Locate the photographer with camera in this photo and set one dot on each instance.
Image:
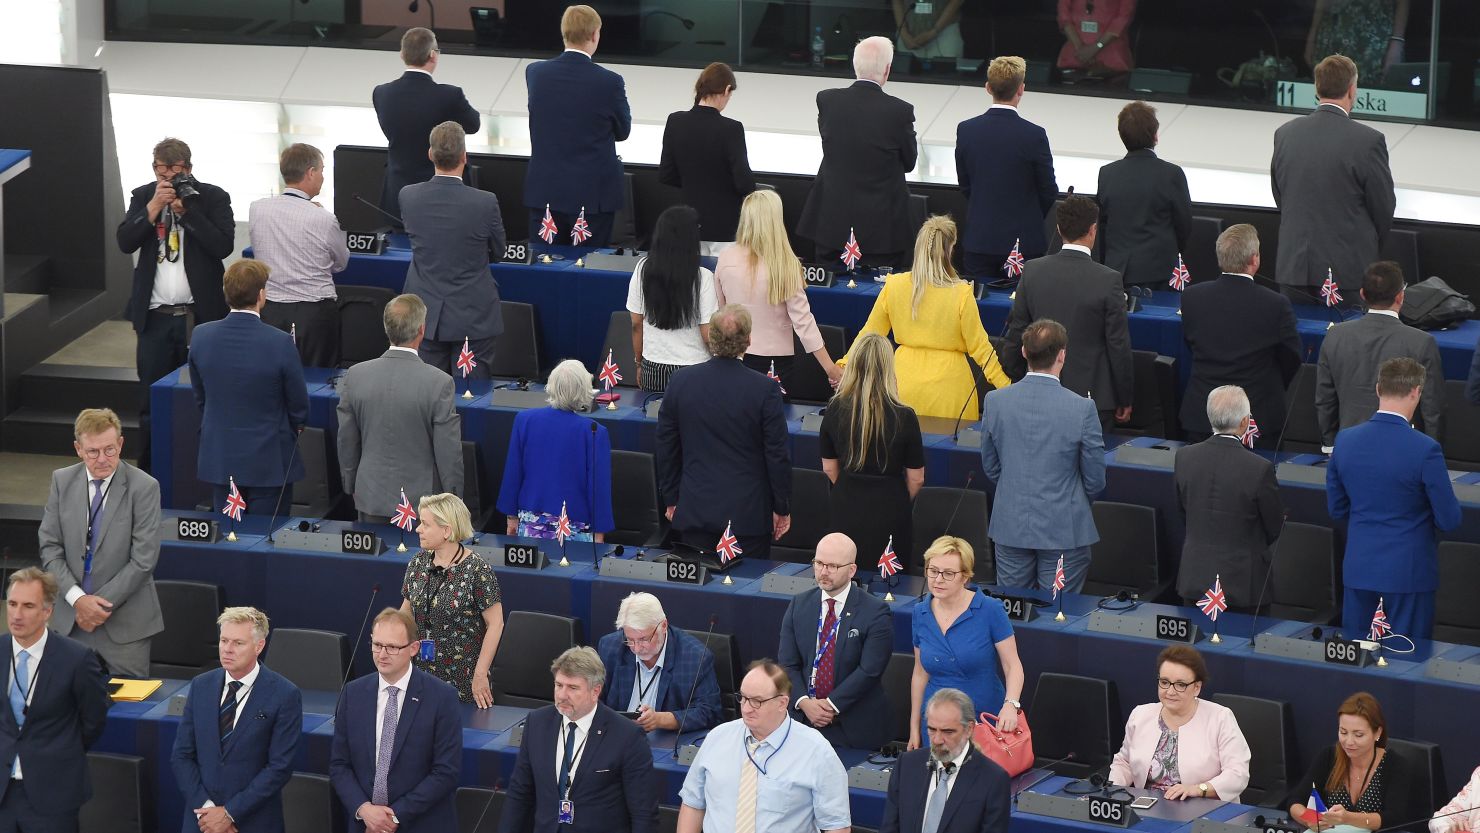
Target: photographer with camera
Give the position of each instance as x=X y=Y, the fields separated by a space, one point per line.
x=182 y=229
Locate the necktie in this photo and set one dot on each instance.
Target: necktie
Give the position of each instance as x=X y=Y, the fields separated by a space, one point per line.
x=227 y=716
x=824 y=682
x=568 y=758
x=95 y=522
x=745 y=805
x=17 y=697
x=937 y=805
x=378 y=792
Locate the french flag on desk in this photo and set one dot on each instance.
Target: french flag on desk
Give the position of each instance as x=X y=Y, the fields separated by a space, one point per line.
x=1314 y=807
x=547 y=226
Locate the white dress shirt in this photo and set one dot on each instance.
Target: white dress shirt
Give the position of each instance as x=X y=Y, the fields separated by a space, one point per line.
x=950 y=779
x=996 y=106
x=27 y=686
x=583 y=728
x=841 y=597
x=1075 y=247
x=170 y=284
x=646 y=680
x=247 y=680
x=407 y=349
x=380 y=698
x=75 y=591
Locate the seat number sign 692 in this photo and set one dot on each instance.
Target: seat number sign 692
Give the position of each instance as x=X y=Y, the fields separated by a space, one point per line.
x=1108 y=811
x=684 y=572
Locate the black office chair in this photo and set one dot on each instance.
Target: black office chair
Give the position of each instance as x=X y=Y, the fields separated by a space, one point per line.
x=1074 y=714
x=1125 y=557
x=1461 y=441
x=896 y=683
x=919 y=212
x=517 y=352
x=1401 y=245
x=808 y=380
x=934 y=507
x=624 y=224
x=117 y=803
x=722 y=645
x=1154 y=403
x=1269 y=727
x=667 y=819
x=1201 y=258
x=1428 y=789
x=478 y=809
x=187 y=645
x=310 y=659
x=521 y=668
x=309 y=805
x=619 y=344
x=1303 y=584
x=809 y=517
x=361 y=323
x=1302 y=432
x=1456 y=616
x=1050 y=232
x=319 y=493
x=635 y=508
x=480 y=508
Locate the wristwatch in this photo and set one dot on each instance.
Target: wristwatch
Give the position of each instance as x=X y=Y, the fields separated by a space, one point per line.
x=1099 y=44
x=1203 y=788
x=1017 y=704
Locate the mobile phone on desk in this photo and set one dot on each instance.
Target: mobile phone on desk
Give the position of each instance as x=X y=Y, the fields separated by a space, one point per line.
x=1144 y=802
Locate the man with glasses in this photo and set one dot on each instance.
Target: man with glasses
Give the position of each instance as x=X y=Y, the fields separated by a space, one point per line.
x=765 y=773
x=949 y=787
x=659 y=674
x=182 y=239
x=397 y=753
x=99 y=538
x=835 y=644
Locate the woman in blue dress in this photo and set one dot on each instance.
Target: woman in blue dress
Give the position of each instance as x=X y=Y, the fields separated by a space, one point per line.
x=961 y=639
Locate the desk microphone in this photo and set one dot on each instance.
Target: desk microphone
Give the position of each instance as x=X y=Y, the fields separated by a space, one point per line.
x=399 y=224
x=959 y=500
x=478 y=825
x=694 y=686
x=1035 y=782
x=287 y=473
x=1268 y=574
x=591 y=499
x=1391 y=827
x=975 y=394
x=1290 y=406
x=374 y=591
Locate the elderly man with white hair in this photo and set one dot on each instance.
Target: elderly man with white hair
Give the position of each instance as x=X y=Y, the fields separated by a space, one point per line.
x=868 y=145
x=657 y=673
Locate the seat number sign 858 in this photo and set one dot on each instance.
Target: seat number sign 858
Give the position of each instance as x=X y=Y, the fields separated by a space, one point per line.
x=1108 y=811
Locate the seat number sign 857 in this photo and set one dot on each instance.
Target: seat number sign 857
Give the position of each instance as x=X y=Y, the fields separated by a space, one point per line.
x=1108 y=811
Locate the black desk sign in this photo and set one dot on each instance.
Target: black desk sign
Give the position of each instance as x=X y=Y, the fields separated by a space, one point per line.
x=818 y=275
x=195 y=529
x=364 y=242
x=528 y=556
x=1018 y=609
x=517 y=252
x=1345 y=652
x=355 y=542
x=679 y=571
x=1109 y=811
x=1175 y=629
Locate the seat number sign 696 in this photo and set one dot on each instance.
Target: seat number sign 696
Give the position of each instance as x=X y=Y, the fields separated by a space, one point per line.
x=1108 y=811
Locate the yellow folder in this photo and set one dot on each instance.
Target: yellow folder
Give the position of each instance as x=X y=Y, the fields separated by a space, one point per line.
x=132 y=691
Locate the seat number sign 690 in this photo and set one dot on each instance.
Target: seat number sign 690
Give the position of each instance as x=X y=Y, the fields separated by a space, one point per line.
x=1108 y=811
x=359 y=543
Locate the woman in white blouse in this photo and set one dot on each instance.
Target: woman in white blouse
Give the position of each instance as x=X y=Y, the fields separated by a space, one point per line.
x=1460 y=813
x=671 y=298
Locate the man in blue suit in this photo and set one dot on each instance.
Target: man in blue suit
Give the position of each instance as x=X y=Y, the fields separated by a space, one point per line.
x=582 y=768
x=1390 y=483
x=949 y=787
x=397 y=752
x=61 y=711
x=578 y=112
x=249 y=386
x=666 y=678
x=841 y=695
x=1041 y=446
x=239 y=735
x=1005 y=169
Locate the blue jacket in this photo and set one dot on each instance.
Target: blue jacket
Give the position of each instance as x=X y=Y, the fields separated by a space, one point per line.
x=578 y=112
x=249 y=386
x=1391 y=483
x=555 y=457
x=865 y=641
x=66 y=716
x=687 y=660
x=980 y=800
x=1005 y=169
x=248 y=774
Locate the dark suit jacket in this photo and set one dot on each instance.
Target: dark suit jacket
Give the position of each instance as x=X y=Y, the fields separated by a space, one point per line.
x=1332 y=183
x=704 y=154
x=426 y=760
x=66 y=717
x=1346 y=372
x=408 y=108
x=210 y=236
x=868 y=145
x=247 y=775
x=687 y=666
x=249 y=386
x=980 y=800
x=1391 y=485
x=861 y=654
x=1005 y=169
x=1230 y=504
x=1240 y=334
x=1472 y=387
x=1145 y=216
x=1088 y=300
x=722 y=449
x=577 y=113
x=613 y=788
x=455 y=231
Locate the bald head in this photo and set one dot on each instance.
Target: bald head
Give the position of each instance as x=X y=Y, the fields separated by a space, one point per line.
x=835 y=562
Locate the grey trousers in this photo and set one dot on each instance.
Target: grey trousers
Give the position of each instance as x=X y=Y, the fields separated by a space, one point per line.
x=120 y=659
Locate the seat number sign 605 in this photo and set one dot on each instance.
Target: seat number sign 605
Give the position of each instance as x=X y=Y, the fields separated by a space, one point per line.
x=1108 y=811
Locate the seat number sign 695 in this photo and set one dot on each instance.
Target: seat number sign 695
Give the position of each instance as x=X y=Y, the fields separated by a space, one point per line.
x=1108 y=811
x=1174 y=629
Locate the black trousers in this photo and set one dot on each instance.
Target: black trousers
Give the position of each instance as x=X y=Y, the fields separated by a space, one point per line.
x=832 y=257
x=751 y=546
x=600 y=226
x=315 y=325
x=785 y=368
x=21 y=812
x=163 y=345
x=443 y=356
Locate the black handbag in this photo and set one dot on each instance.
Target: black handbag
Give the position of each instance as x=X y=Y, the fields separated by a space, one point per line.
x=1432 y=304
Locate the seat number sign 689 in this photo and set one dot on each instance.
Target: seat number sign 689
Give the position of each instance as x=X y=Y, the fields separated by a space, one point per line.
x=194 y=529
x=1108 y=811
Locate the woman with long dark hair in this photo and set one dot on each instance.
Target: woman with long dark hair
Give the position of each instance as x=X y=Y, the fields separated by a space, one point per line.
x=671 y=298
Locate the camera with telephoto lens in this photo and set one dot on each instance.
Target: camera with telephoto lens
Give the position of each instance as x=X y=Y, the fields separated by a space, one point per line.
x=184 y=185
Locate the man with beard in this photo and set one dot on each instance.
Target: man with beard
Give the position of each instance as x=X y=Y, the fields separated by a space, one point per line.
x=950 y=780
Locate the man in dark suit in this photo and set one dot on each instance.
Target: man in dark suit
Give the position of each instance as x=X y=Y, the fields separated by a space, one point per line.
x=1352 y=351
x=61 y=711
x=723 y=460
x=1230 y=506
x=397 y=751
x=1334 y=189
x=455 y=231
x=840 y=692
x=181 y=241
x=408 y=108
x=582 y=768
x=1145 y=207
x=1069 y=287
x=578 y=112
x=949 y=787
x=868 y=146
x=1472 y=386
x=657 y=672
x=1005 y=168
x=249 y=386
x=1240 y=334
x=1390 y=483
x=238 y=738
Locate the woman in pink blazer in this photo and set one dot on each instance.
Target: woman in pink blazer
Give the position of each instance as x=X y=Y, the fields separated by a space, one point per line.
x=1185 y=746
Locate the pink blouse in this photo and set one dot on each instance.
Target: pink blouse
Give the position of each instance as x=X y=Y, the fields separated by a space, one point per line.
x=1210 y=749
x=772 y=324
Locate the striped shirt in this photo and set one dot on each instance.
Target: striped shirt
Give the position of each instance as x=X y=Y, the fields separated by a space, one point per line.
x=301 y=243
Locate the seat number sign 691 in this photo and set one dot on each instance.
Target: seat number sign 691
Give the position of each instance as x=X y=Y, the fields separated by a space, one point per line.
x=1108 y=811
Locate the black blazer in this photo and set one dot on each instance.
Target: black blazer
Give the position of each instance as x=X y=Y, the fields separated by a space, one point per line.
x=1399 y=801
x=1241 y=334
x=861 y=654
x=1230 y=504
x=1145 y=217
x=408 y=108
x=704 y=155
x=210 y=236
x=980 y=800
x=723 y=454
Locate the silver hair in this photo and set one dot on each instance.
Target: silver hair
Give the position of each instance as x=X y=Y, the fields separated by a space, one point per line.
x=642 y=611
x=958 y=698
x=872 y=57
x=1227 y=407
x=569 y=386
x=1236 y=246
x=403 y=317
x=245 y=616
x=583 y=662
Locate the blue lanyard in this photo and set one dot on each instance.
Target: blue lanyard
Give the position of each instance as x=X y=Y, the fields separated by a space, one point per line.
x=774 y=752
x=822 y=645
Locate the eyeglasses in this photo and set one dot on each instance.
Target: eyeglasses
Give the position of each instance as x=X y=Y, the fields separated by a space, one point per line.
x=948 y=575
x=94 y=453
x=1164 y=684
x=386 y=648
x=753 y=702
x=823 y=565
x=643 y=640
x=177 y=167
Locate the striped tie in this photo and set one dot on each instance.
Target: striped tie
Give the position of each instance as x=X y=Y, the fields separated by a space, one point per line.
x=745 y=805
x=228 y=709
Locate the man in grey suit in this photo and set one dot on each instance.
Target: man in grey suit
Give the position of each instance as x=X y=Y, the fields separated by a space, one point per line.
x=455 y=232
x=1230 y=506
x=398 y=422
x=1334 y=189
x=1070 y=286
x=1346 y=371
x=100 y=538
x=1041 y=446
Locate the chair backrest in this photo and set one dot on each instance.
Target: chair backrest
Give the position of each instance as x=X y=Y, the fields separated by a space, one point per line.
x=722 y=645
x=896 y=683
x=667 y=819
x=1070 y=713
x=117 y=803
x=309 y=805
x=809 y=513
x=1269 y=728
x=187 y=645
x=634 y=499
x=1125 y=557
x=1303 y=580
x=1401 y=245
x=472 y=481
x=1461 y=441
x=317 y=492
x=517 y=352
x=478 y=810
x=1050 y=231
x=1201 y=257
x=1456 y=616
x=1428 y=789
x=1302 y=432
x=808 y=379
x=521 y=668
x=934 y=509
x=361 y=322
x=919 y=211
x=619 y=344
x=624 y=224
x=1154 y=406
x=310 y=659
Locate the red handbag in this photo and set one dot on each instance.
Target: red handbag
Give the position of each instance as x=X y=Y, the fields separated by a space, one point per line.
x=1013 y=751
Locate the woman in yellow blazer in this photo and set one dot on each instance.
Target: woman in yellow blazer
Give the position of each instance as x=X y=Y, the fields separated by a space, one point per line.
x=936 y=324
